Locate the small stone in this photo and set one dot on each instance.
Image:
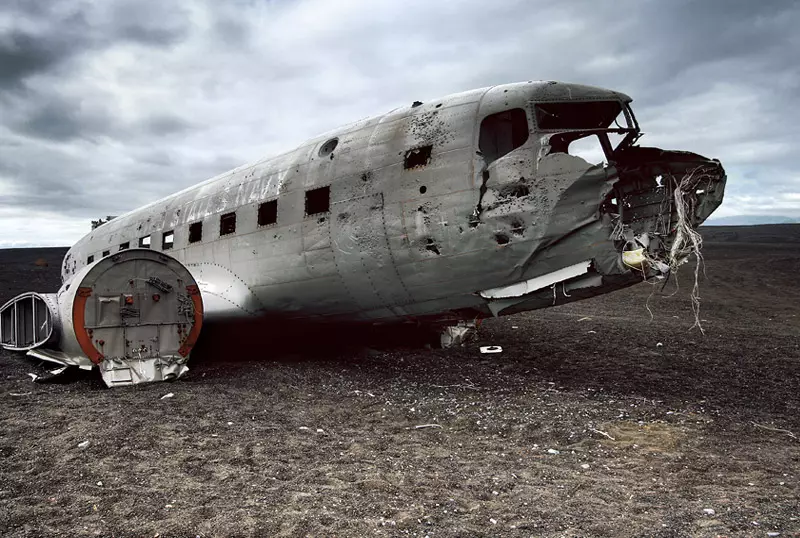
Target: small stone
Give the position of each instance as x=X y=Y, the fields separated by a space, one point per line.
x=303 y=428
x=773 y=534
x=709 y=511
x=167 y=395
x=99 y=483
x=83 y=444
x=320 y=430
x=585 y=466
x=553 y=451
x=659 y=344
x=493 y=521
x=230 y=423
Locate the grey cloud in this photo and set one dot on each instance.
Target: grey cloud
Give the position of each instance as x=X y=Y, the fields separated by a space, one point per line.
x=106 y=106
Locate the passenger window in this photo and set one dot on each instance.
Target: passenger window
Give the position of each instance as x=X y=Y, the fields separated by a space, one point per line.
x=195 y=232
x=144 y=242
x=318 y=201
x=125 y=245
x=502 y=133
x=90 y=259
x=268 y=213
x=227 y=224
x=167 y=240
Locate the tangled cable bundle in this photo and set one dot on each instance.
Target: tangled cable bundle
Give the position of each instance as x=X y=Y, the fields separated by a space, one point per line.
x=687 y=240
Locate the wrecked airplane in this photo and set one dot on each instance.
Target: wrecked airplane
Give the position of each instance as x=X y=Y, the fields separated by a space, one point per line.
x=478 y=204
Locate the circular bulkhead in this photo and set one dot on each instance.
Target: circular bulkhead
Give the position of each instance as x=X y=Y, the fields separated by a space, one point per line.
x=136 y=314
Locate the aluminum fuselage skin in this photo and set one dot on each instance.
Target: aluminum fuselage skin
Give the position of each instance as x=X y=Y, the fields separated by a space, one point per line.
x=397 y=243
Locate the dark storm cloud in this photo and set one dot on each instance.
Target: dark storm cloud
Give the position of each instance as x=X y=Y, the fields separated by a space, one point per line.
x=105 y=106
x=38 y=36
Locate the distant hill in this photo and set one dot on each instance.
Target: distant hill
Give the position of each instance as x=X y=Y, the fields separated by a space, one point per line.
x=750 y=220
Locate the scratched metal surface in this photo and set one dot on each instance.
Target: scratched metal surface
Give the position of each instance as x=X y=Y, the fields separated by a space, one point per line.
x=396 y=242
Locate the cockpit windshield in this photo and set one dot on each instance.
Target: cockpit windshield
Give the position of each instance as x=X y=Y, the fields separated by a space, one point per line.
x=593 y=130
x=583 y=115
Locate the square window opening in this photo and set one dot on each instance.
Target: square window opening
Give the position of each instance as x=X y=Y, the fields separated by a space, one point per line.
x=502 y=133
x=195 y=232
x=318 y=201
x=106 y=253
x=144 y=242
x=125 y=245
x=227 y=224
x=168 y=240
x=90 y=259
x=268 y=213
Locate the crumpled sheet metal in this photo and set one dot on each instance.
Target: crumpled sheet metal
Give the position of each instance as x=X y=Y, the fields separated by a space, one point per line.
x=564 y=211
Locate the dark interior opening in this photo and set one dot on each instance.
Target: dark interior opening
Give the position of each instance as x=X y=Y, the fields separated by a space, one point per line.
x=227 y=223
x=577 y=115
x=125 y=245
x=195 y=232
x=268 y=213
x=502 y=133
x=318 y=201
x=417 y=157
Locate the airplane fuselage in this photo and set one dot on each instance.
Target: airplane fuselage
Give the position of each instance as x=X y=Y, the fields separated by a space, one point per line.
x=406 y=215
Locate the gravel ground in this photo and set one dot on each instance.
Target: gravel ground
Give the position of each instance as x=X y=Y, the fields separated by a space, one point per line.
x=595 y=420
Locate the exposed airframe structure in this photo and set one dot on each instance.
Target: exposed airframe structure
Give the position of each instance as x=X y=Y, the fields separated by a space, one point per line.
x=469 y=206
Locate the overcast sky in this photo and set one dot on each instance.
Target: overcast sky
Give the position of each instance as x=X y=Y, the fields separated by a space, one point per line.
x=108 y=105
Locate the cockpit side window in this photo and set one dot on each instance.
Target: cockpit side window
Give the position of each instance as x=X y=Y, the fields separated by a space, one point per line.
x=502 y=133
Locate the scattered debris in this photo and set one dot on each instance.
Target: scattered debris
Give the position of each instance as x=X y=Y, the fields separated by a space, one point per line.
x=779 y=430
x=230 y=423
x=602 y=433
x=709 y=511
x=553 y=451
x=83 y=444
x=493 y=521
x=100 y=483
x=303 y=428
x=491 y=349
x=20 y=393
x=585 y=466
x=584 y=318
x=320 y=430
x=34 y=377
x=457 y=335
x=169 y=395
x=773 y=534
x=423 y=426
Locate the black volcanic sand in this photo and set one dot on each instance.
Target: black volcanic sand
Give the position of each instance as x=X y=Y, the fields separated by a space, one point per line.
x=594 y=421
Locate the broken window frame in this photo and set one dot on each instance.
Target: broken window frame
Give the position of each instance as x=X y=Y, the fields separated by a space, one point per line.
x=196 y=232
x=268 y=213
x=502 y=133
x=314 y=200
x=631 y=132
x=227 y=224
x=124 y=246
